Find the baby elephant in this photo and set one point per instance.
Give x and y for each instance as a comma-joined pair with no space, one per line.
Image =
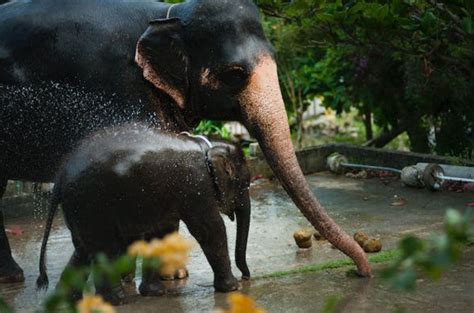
131,182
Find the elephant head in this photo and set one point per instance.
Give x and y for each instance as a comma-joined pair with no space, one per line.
232,180
212,59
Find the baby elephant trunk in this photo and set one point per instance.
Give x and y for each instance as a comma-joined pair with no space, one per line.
243,225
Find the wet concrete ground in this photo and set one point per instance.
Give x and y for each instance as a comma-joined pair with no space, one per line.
354,204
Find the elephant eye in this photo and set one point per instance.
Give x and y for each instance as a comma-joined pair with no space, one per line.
234,76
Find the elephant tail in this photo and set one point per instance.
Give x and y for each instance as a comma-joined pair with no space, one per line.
43,281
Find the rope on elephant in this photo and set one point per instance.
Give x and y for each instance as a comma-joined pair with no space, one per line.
198,137
168,13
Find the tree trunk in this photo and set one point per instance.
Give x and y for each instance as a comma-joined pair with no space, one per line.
369,134
418,138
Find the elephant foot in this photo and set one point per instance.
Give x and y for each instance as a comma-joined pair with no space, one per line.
114,295
226,285
181,273
74,295
128,278
11,272
152,289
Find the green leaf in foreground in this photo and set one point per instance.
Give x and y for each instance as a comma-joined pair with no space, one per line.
432,256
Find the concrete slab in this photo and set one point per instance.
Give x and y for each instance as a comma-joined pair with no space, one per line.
354,204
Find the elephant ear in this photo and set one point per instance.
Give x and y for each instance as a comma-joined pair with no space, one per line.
224,173
161,54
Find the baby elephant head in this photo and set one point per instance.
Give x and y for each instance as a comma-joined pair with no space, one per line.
231,177
232,180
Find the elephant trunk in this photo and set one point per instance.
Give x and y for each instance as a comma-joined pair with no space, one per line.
243,225
264,114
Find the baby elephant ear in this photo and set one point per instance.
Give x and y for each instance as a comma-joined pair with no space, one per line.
162,56
222,163
223,171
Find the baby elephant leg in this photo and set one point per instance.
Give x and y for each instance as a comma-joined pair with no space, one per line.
210,232
180,273
151,283
151,279
128,277
111,291
110,288
77,261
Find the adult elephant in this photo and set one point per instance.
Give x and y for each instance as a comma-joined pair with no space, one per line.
68,68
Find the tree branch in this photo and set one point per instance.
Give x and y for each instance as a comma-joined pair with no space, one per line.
385,138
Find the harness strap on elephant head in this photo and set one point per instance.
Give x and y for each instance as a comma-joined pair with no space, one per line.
168,13
210,168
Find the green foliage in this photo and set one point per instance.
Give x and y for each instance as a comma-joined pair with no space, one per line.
4,308
103,270
212,129
431,257
409,64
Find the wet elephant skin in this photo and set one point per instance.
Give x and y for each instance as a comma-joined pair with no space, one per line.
132,182
70,68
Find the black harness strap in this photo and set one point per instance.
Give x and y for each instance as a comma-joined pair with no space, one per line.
206,145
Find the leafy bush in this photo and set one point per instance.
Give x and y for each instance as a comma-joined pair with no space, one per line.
407,65
212,129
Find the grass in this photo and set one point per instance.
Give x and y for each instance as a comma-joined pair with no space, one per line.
382,257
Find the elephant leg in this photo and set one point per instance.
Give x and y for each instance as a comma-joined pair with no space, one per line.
10,271
210,232
127,242
151,279
78,260
111,291
180,273
128,277
151,283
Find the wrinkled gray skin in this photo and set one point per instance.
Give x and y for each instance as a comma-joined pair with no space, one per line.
132,182
69,68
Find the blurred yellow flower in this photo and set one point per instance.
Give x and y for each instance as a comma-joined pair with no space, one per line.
139,248
172,252
239,303
94,304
